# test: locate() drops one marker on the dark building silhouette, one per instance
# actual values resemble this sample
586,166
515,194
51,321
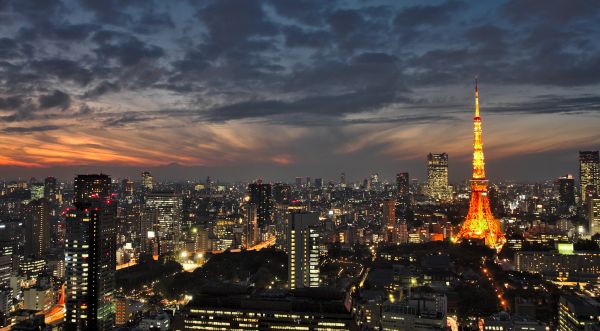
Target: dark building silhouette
50,188
260,195
566,193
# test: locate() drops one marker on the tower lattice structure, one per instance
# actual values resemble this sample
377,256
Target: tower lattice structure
480,223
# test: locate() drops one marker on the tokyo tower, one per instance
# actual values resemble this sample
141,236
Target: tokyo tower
480,223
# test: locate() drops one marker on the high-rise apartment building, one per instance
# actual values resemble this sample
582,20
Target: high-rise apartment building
589,176
437,176
90,255
303,250
37,228
163,212
260,195
147,181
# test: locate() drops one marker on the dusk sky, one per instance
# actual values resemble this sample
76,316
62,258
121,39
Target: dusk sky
277,89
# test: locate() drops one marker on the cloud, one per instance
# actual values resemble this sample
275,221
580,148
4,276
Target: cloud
316,75
11,103
30,129
57,99
321,106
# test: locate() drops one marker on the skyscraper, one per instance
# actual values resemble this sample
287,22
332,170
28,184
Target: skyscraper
319,183
402,195
282,193
37,228
50,188
303,250
252,232
480,224
402,184
437,176
91,186
589,177
260,195
298,183
163,211
90,255
594,215
147,181
566,193
388,220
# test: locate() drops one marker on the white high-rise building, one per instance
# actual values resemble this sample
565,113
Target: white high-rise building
163,211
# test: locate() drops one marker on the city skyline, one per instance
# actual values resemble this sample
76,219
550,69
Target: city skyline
307,89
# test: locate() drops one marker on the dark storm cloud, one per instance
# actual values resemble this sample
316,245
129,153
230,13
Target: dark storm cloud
128,50
324,106
102,88
551,104
427,15
62,69
57,99
555,11
11,103
30,129
298,63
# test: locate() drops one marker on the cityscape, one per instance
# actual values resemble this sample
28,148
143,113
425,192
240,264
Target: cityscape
299,165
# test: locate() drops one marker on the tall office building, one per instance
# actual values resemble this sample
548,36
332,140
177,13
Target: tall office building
127,187
90,255
252,234
437,176
37,228
303,250
343,179
388,220
147,183
282,193
594,215
260,195
91,186
163,212
298,183
566,193
578,313
50,188
37,191
319,183
402,184
402,195
589,177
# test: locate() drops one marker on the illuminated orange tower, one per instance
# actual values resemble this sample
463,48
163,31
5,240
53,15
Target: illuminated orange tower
480,223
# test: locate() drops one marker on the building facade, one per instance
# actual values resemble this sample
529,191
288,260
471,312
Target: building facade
303,250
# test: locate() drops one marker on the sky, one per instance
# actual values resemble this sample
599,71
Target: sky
274,89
